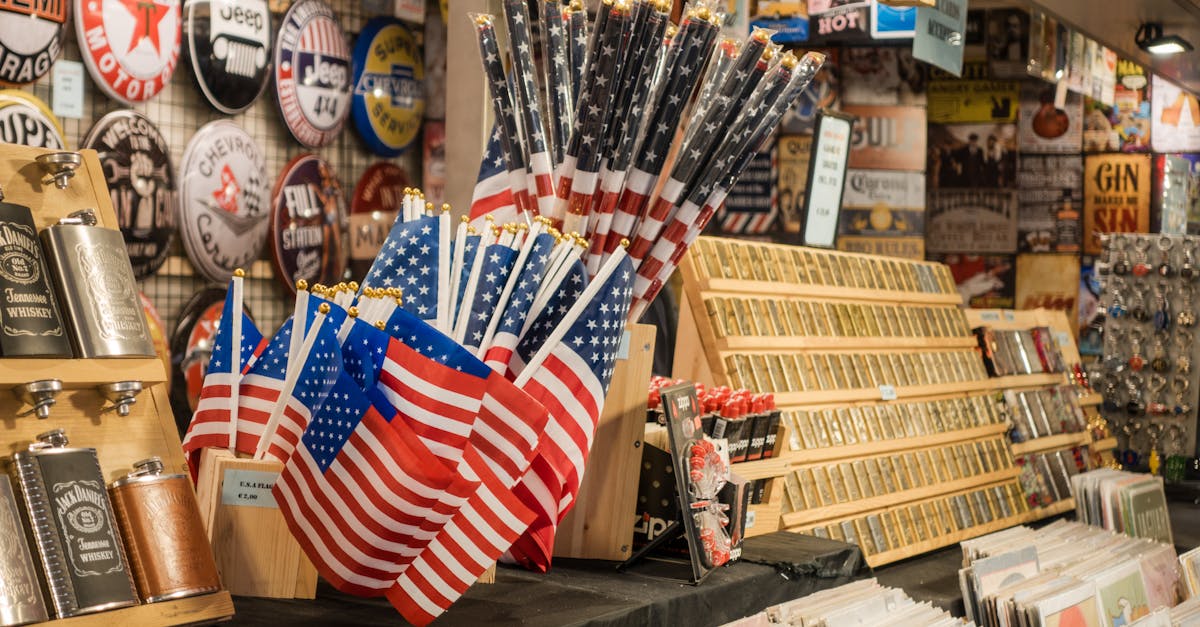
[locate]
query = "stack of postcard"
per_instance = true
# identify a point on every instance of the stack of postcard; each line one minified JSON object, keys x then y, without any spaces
{"x":1189,"y":563}
{"x":1130,"y":503}
{"x":1066,"y":573}
{"x":863,"y":602}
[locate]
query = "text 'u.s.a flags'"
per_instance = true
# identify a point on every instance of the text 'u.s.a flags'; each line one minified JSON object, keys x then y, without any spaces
{"x":215,"y":418}
{"x":570,"y":376}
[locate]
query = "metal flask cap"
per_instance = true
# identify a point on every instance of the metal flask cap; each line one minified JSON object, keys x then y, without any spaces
{"x":55,"y":438}
{"x":83,"y":217}
{"x":148,"y":467}
{"x":60,"y":166}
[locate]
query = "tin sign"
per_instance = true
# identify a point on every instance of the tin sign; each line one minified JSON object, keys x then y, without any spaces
{"x":224,"y":200}
{"x":389,"y":86}
{"x":312,"y":73}
{"x":308,"y":212}
{"x":31,"y":38}
{"x":130,"y":46}
{"x":26,"y":120}
{"x":229,"y":44}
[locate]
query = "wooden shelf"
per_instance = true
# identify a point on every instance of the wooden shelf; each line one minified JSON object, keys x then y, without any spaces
{"x":1107,"y":444}
{"x":766,"y":514}
{"x":1053,"y":509}
{"x":861,"y":507}
{"x":209,"y":608}
{"x":825,"y":397}
{"x":1091,"y":399}
{"x":868,"y":449}
{"x":826,"y":292}
{"x":794,"y":343}
{"x":761,"y":468}
{"x":1053,"y":442}
{"x":82,"y":373}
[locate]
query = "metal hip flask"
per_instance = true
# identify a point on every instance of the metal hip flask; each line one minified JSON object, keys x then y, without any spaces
{"x":20,"y":594}
{"x":73,"y":527}
{"x":167,"y":545}
{"x":97,"y":291}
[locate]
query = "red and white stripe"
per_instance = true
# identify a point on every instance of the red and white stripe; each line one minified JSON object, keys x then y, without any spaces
{"x":541,"y":180}
{"x":508,"y":430}
{"x":366,"y":517}
{"x":257,"y":397}
{"x":639,"y":184}
{"x":438,"y":402}
{"x":658,"y":215}
{"x":493,"y":197}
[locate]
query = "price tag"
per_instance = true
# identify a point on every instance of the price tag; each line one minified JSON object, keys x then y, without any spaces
{"x":67,"y":90}
{"x":623,"y":348}
{"x":750,"y":515}
{"x":887,"y":392}
{"x":251,"y":488}
{"x":990,"y":316}
{"x":1010,"y":316}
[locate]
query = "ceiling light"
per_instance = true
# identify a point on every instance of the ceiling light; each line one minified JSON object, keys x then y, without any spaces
{"x":1150,"y":38}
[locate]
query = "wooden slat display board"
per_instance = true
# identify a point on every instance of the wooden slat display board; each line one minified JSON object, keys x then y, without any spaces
{"x":81,"y":410}
{"x":874,"y":368}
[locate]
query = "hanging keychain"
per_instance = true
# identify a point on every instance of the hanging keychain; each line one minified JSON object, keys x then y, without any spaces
{"x":1137,"y":304}
{"x":1141,"y":265}
{"x":1136,"y":361}
{"x":1158,"y":396}
{"x":1135,"y":384}
{"x":1183,"y":352}
{"x":1165,"y":270}
{"x":1187,"y":270}
{"x":1117,"y":308}
{"x":1181,"y":384}
{"x":1120,"y":259}
{"x":1162,"y":311}
{"x":1186,"y":316}
{"x":1159,"y":359}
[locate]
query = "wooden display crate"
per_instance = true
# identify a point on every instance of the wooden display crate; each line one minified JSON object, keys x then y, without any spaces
{"x":81,"y":410}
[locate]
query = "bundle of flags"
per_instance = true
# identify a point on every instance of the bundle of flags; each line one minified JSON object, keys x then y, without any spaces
{"x":635,"y":104}
{"x":436,"y":417}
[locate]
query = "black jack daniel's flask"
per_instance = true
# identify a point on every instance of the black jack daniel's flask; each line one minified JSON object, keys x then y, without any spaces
{"x":74,"y":527}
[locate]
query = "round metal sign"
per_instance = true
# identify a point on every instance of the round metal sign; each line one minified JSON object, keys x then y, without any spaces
{"x":312,"y":73}
{"x":31,"y":38}
{"x":130,"y":46}
{"x":308,"y":213}
{"x":224,"y":200}
{"x":141,"y":182}
{"x":24,"y":119}
{"x":373,"y":208}
{"x":389,"y":86}
{"x":229,"y":45}
{"x":158,"y":333}
{"x":191,"y":348}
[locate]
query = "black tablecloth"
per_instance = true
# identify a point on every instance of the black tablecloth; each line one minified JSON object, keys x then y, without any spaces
{"x":577,"y":592}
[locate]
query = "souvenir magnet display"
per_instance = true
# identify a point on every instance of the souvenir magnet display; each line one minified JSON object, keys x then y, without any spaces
{"x":224,"y":200}
{"x":229,"y":45}
{"x":141,"y":181}
{"x":312,"y":73}
{"x":130,"y":48}
{"x":31,"y":38}
{"x":308,"y":216}
{"x":191,"y":348}
{"x":26,"y":120}
{"x":373,"y":208}
{"x":389,"y":86}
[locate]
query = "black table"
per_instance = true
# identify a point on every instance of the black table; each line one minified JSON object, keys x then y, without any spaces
{"x":577,"y":592}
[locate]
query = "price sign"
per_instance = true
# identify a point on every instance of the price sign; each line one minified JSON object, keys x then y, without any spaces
{"x":826,"y":177}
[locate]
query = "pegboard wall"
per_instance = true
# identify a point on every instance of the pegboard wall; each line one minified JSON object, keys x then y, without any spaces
{"x":179,"y":111}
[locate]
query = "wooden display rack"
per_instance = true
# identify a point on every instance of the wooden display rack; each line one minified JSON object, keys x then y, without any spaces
{"x":88,"y":419}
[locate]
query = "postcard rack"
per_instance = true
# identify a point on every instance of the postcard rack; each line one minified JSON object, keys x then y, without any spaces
{"x":895,"y":439}
{"x":81,"y":411}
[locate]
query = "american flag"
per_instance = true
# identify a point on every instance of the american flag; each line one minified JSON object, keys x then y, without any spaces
{"x":492,"y":195}
{"x":497,"y":265}
{"x":509,"y":319}
{"x":263,"y":387}
{"x":525,"y":97}
{"x":469,"y":249}
{"x":435,"y":384}
{"x":492,"y":519}
{"x":360,"y":490}
{"x":409,"y":260}
{"x":569,"y":375}
{"x":508,"y":131}
{"x":363,"y":353}
{"x":217,"y":408}
{"x":541,"y":321}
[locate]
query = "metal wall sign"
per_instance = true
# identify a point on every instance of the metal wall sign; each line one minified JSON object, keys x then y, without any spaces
{"x":31,"y":38}
{"x":229,"y":46}
{"x":26,"y":120}
{"x":130,"y":48}
{"x":312,"y":73}
{"x":389,"y":86}
{"x":191,"y":348}
{"x":141,"y":182}
{"x":308,"y":220}
{"x":224,"y":200}
{"x":373,"y":208}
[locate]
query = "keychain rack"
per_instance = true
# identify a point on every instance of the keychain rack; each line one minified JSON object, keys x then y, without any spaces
{"x":1134,"y":282}
{"x":88,"y":419}
{"x":867,"y":317}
